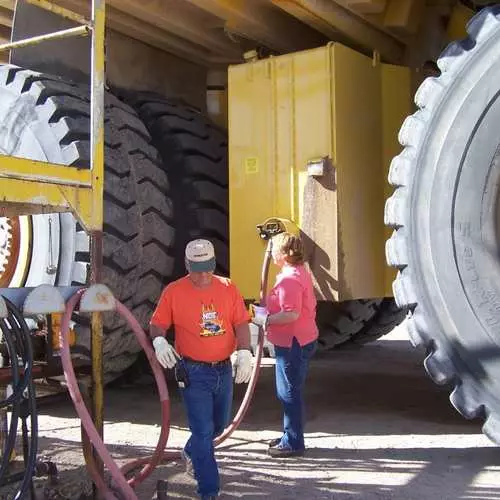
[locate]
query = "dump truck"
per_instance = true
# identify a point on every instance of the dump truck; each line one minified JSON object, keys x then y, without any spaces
{"x":236,"y":119}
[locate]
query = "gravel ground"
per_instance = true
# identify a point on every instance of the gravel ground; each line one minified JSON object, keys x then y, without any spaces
{"x":378,"y":429}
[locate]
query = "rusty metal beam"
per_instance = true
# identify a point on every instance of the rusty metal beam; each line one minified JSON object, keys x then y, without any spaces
{"x":260,"y":21}
{"x":334,"y":20}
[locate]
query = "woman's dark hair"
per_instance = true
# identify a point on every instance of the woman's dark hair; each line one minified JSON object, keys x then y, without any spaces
{"x":291,"y":247}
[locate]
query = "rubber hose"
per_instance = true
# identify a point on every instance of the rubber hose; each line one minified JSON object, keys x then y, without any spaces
{"x":14,"y":397}
{"x":16,"y":325}
{"x":23,"y":332}
{"x":159,"y":455}
{"x":116,"y":473}
{"x":175,"y":454}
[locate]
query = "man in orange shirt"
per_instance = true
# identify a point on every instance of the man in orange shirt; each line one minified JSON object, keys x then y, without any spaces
{"x":210,"y":322}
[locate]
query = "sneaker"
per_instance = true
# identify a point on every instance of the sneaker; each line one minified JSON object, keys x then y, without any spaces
{"x":189,"y":463}
{"x":280,"y":451}
{"x":274,"y":442}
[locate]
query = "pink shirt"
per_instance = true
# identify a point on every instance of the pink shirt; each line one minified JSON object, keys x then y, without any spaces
{"x":293,"y":291}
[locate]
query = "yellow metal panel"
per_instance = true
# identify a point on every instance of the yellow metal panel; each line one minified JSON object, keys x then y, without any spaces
{"x":313,"y":118}
{"x":279,"y":117}
{"x":288,"y":110}
{"x":357,"y":96}
{"x":38,"y":171}
{"x":250,"y":176}
{"x":34,"y":187}
{"x":396,"y":106}
{"x":22,"y":197}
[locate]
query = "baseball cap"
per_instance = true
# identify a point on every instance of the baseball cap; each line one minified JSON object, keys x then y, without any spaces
{"x":200,"y":256}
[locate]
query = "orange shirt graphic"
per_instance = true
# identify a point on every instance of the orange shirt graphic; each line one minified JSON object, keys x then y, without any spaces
{"x":203,"y":318}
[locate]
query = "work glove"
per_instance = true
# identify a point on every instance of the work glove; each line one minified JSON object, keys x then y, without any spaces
{"x":165,"y":353}
{"x":242,"y":366}
{"x":260,"y":316}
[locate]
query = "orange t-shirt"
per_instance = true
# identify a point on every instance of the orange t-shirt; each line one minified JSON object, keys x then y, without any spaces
{"x":203,"y":318}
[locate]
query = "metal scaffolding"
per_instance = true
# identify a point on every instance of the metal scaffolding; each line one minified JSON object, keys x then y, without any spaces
{"x":31,"y":187}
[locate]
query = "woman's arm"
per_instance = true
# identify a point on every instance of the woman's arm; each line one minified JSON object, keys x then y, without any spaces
{"x":289,"y":293}
{"x":282,"y":318}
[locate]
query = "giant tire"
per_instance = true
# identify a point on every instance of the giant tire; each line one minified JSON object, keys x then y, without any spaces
{"x":445,"y":211}
{"x":194,"y":152}
{"x":47,"y":119}
{"x":356,"y":321}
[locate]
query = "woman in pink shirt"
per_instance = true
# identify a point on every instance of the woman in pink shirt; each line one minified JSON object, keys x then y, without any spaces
{"x":291,"y":326}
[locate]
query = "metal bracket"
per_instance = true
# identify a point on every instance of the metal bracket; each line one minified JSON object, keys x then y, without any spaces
{"x":44,"y":299}
{"x":97,"y":298}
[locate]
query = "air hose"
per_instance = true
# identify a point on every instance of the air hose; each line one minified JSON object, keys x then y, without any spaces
{"x":118,"y":476}
{"x":16,"y":335}
{"x":161,"y":454}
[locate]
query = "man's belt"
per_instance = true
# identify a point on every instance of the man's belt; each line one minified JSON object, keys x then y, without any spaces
{"x":207,"y":363}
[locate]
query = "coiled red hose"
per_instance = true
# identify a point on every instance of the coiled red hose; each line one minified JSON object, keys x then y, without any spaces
{"x":117,"y":473}
{"x":160,"y":454}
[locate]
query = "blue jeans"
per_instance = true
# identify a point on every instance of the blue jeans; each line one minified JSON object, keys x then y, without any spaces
{"x":291,"y":370}
{"x":208,"y":401}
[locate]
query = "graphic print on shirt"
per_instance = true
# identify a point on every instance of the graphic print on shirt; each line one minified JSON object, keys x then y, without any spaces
{"x":210,"y":324}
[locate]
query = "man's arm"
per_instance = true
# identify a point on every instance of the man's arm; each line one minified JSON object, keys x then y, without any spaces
{"x":242,"y":332}
{"x":156,"y":331}
{"x":162,"y":316}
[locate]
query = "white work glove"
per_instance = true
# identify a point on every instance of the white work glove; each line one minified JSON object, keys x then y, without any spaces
{"x":165,"y":353}
{"x":242,"y":366}
{"x":260,"y":316}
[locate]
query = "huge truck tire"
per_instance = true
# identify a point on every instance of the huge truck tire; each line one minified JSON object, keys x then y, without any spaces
{"x":356,"y":321}
{"x":445,"y":211}
{"x":44,"y":118}
{"x":194,"y":152}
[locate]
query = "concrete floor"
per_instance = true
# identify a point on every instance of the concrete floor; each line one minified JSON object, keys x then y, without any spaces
{"x":378,"y":429}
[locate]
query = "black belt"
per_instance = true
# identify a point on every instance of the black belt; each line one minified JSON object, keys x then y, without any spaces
{"x":207,"y":363}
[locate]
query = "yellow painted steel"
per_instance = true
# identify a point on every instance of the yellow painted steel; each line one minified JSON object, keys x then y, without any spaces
{"x":31,"y":187}
{"x":37,"y":171}
{"x":97,"y":112}
{"x":460,"y":16}
{"x":96,"y":242}
{"x":288,"y":110}
{"x":78,"y":30}
{"x":58,"y":10}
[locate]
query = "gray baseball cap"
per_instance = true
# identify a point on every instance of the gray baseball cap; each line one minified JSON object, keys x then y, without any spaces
{"x":200,"y":256}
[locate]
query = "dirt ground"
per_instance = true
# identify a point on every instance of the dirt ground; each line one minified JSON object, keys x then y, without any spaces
{"x":378,"y":428}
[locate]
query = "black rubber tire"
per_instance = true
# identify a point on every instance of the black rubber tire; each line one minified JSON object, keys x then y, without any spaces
{"x":194,"y":153}
{"x":138,"y":234}
{"x":445,"y":212}
{"x":356,"y":321}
